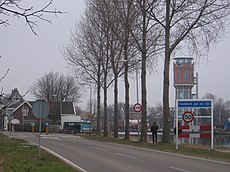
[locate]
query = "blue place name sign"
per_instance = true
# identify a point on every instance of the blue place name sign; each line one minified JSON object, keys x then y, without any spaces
{"x":195,"y":104}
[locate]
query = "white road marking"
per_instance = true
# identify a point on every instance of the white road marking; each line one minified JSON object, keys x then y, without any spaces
{"x":100,"y":149}
{"x":169,"y":153}
{"x":63,"y":159}
{"x":126,"y":155}
{"x":132,"y":157}
{"x":50,"y":137}
{"x":179,"y":169}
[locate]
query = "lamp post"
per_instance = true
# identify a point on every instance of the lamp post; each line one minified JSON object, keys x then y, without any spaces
{"x":138,"y":126}
{"x":90,"y":97}
{"x":60,"y":105}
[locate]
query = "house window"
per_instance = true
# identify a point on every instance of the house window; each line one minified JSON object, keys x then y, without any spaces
{"x":186,"y":76}
{"x":25,"y":111}
{"x":178,"y":76}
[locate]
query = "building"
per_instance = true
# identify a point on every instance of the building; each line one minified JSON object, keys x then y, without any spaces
{"x":183,"y":68}
{"x":15,"y":110}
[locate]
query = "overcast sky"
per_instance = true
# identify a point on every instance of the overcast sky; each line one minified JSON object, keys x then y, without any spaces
{"x":29,"y":57}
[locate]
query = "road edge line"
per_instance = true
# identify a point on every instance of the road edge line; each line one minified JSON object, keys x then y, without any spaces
{"x":64,"y":159}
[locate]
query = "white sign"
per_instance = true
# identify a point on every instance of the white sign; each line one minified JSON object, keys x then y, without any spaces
{"x":188,"y":116}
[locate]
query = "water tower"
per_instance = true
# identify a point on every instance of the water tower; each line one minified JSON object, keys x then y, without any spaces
{"x":183,"y":68}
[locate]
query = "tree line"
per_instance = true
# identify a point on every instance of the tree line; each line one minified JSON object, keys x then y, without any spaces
{"x":115,"y":38}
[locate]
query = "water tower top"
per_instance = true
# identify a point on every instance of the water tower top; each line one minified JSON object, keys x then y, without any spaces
{"x":183,"y":60}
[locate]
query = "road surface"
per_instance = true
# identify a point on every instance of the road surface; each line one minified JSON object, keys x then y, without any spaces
{"x":94,"y":156}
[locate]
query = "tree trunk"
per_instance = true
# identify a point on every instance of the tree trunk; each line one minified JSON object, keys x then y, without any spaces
{"x":166,"y":121}
{"x":143,"y":79}
{"x":127,"y":135}
{"x":126,"y":101}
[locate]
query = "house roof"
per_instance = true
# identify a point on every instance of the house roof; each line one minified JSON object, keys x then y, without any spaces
{"x":67,"y":107}
{"x":11,"y":100}
{"x":22,"y":103}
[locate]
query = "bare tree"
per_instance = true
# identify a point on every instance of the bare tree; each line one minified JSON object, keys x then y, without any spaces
{"x":126,"y":16}
{"x":136,"y":32}
{"x":105,"y":37}
{"x":104,"y":8}
{"x":56,"y":87}
{"x":16,"y":8}
{"x":148,"y":47}
{"x":85,"y":52}
{"x":118,"y":50}
{"x":195,"y":24}
{"x":89,"y":53}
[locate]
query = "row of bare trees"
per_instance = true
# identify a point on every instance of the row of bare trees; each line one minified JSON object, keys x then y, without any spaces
{"x":115,"y":37}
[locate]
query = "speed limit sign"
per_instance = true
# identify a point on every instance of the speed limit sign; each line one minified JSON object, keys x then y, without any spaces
{"x":137,"y":107}
{"x":187,"y":117}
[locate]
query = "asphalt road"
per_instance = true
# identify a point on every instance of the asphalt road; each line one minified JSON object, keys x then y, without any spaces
{"x":94,"y":156}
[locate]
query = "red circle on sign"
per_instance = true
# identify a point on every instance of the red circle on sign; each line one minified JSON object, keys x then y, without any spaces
{"x":187,"y":117}
{"x":137,"y":107}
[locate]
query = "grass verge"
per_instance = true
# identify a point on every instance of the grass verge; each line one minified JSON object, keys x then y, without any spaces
{"x":184,"y":149}
{"x":17,"y":155}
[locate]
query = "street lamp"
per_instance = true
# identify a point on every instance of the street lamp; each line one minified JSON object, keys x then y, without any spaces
{"x":90,"y":96}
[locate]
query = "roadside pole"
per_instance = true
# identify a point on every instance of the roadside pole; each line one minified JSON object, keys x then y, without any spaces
{"x":40,"y":110}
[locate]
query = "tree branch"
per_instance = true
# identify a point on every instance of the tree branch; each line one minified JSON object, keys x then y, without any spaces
{"x":31,"y":16}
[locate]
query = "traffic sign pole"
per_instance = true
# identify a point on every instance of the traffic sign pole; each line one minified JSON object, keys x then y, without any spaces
{"x":40,"y":128}
{"x":40,"y":110}
{"x":137,"y":108}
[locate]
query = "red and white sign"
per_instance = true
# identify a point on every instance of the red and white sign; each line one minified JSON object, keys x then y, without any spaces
{"x":194,"y":135}
{"x":188,"y":117}
{"x":197,"y":131}
{"x":137,"y":107}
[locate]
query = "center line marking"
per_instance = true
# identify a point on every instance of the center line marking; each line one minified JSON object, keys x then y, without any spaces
{"x":128,"y":156}
{"x":179,"y":169}
{"x":100,"y":149}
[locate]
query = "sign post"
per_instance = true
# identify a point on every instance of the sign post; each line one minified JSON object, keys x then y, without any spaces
{"x":137,"y":108}
{"x":33,"y":126}
{"x":47,"y":127}
{"x":40,"y":110}
{"x":188,"y":116}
